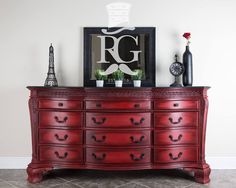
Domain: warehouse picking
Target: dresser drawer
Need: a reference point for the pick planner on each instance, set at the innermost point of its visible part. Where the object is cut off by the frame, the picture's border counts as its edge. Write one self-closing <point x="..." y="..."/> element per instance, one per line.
<point x="118" y="120"/>
<point x="117" y="105"/>
<point x="177" y="154"/>
<point x="116" y="138"/>
<point x="118" y="156"/>
<point x="60" y="104"/>
<point x="48" y="119"/>
<point x="69" y="154"/>
<point x="59" y="136"/>
<point x="181" y="136"/>
<point x="176" y="104"/>
<point x="173" y="119"/>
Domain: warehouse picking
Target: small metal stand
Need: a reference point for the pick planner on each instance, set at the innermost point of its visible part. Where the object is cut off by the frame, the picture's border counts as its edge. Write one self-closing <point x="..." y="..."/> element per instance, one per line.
<point x="176" y="83"/>
<point x="51" y="80"/>
<point x="176" y="69"/>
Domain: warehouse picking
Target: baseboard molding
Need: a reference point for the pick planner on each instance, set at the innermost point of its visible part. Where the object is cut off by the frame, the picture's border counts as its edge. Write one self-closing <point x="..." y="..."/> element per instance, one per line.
<point x="22" y="162"/>
<point x="14" y="162"/>
<point x="221" y="162"/>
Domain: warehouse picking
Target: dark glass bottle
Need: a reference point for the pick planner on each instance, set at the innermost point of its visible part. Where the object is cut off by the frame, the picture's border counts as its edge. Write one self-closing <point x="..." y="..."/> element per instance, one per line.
<point x="188" y="66"/>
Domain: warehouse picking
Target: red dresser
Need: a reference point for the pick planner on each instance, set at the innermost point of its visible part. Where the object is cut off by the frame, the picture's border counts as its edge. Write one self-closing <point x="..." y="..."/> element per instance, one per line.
<point x="118" y="129"/>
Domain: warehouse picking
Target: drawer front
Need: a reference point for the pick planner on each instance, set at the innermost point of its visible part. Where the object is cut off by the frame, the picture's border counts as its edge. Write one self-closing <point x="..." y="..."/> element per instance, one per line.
<point x="118" y="156"/>
<point x="177" y="154"/>
<point x="69" y="154"/>
<point x="117" y="105"/>
<point x="176" y="104"/>
<point x="59" y="136"/>
<point x="169" y="137"/>
<point x="116" y="138"/>
<point x="173" y="119"/>
<point x="133" y="120"/>
<point x="47" y="119"/>
<point x="60" y="104"/>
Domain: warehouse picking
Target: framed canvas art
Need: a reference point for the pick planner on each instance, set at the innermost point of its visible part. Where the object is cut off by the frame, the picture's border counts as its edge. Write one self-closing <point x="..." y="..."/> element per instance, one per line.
<point x="125" y="49"/>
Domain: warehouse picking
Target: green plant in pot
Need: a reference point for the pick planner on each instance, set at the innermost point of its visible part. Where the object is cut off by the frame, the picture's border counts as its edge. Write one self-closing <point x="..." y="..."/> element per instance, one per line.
<point x="100" y="77"/>
<point x="118" y="76"/>
<point x="137" y="77"/>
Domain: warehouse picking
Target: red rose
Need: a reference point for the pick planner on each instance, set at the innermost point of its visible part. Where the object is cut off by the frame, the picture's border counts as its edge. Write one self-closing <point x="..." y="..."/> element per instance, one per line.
<point x="187" y="35"/>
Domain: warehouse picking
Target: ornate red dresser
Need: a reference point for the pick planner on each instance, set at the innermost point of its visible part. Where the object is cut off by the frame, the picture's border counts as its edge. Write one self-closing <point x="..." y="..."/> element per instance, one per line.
<point x="118" y="129"/>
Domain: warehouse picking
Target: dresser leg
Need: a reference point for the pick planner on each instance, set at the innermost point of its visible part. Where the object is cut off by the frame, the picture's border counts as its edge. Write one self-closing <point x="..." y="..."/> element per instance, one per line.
<point x="202" y="175"/>
<point x="35" y="174"/>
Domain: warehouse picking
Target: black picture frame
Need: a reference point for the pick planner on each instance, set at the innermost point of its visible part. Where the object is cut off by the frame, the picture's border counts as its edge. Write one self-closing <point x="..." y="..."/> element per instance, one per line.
<point x="147" y="34"/>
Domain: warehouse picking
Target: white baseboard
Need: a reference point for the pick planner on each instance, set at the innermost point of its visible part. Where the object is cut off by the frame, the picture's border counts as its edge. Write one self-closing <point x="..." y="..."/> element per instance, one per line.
<point x="221" y="162"/>
<point x="14" y="162"/>
<point x="22" y="162"/>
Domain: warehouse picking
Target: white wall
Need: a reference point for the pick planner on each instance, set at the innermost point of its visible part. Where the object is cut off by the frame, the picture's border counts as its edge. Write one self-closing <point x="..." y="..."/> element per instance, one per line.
<point x="27" y="27"/>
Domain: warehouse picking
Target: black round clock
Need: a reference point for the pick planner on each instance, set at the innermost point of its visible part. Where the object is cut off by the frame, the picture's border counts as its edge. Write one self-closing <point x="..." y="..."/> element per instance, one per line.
<point x="176" y="69"/>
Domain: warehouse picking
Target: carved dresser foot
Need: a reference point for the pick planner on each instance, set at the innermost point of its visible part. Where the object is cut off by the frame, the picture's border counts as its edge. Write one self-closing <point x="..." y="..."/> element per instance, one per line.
<point x="35" y="175"/>
<point x="202" y="175"/>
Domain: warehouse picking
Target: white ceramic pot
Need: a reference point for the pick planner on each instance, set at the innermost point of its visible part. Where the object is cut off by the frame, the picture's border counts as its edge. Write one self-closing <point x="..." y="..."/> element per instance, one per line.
<point x="137" y="83"/>
<point x="99" y="83"/>
<point x="118" y="83"/>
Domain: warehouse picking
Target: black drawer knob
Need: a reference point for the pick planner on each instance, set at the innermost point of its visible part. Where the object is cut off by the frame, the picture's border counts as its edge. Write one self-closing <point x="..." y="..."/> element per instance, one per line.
<point x="176" y="104"/>
<point x="98" y="105"/>
<point x="136" y="105"/>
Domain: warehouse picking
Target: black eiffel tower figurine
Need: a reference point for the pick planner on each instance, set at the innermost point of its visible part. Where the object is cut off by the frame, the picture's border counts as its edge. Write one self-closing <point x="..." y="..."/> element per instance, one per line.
<point x="51" y="80"/>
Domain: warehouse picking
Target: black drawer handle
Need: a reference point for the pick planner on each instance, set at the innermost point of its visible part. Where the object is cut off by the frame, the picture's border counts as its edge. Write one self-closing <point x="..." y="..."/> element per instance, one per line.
<point x="175" y="158"/>
<point x="134" y="158"/>
<point x="132" y="138"/>
<point x="137" y="123"/>
<point x="175" y="122"/>
<point x="60" y="121"/>
<point x="176" y="104"/>
<point x="99" y="122"/>
<point x="175" y="140"/>
<point x="98" y="105"/>
<point x="97" y="140"/>
<point x="60" y="104"/>
<point x="61" y="157"/>
<point x="101" y="158"/>
<point x="136" y="105"/>
<point x="61" y="139"/>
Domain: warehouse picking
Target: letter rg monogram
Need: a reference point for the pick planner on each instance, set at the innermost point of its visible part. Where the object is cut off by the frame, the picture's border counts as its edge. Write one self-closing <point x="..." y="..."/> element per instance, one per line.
<point x="114" y="49"/>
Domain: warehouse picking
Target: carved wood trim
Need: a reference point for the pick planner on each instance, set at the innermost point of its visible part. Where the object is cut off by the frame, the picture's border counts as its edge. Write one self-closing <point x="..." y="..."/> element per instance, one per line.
<point x="124" y="92"/>
<point x="61" y="93"/>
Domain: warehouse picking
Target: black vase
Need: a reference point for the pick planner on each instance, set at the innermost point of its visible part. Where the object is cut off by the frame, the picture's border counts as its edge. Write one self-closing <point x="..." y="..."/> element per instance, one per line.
<point x="188" y="66"/>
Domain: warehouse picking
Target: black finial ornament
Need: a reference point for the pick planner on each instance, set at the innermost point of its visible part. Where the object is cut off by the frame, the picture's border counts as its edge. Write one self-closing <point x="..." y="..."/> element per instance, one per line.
<point x="176" y="69"/>
<point x="51" y="80"/>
